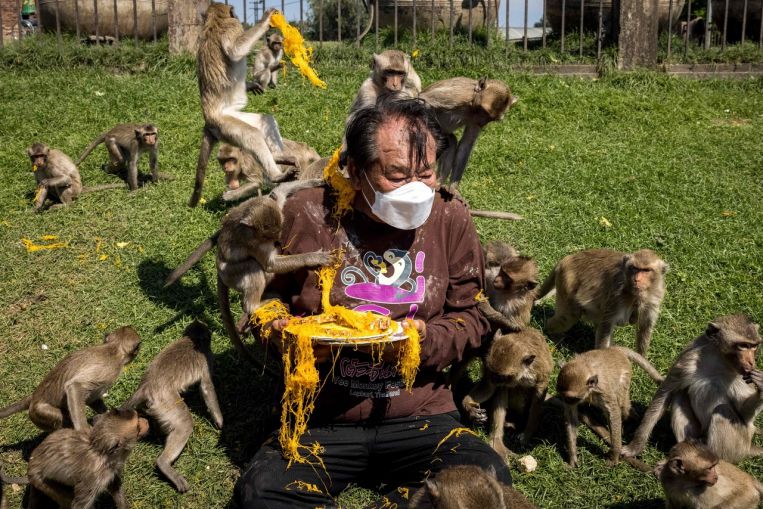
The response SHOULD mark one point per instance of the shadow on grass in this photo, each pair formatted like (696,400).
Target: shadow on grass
(580,338)
(654,503)
(189,300)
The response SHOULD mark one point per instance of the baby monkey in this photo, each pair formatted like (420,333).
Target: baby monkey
(185,362)
(126,143)
(601,378)
(81,378)
(468,487)
(692,476)
(510,281)
(56,175)
(73,467)
(517,368)
(609,288)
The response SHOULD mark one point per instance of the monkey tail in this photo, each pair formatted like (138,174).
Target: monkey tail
(644,364)
(547,285)
(102,187)
(90,148)
(496,214)
(371,13)
(7,479)
(759,487)
(135,400)
(197,254)
(15,407)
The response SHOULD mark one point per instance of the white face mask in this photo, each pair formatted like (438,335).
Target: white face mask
(406,207)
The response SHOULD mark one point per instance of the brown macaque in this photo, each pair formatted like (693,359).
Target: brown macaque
(247,256)
(609,288)
(266,65)
(56,175)
(599,378)
(517,368)
(182,364)
(73,467)
(81,378)
(391,72)
(315,169)
(510,284)
(244,176)
(125,144)
(693,477)
(468,487)
(471,104)
(694,30)
(221,68)
(714,391)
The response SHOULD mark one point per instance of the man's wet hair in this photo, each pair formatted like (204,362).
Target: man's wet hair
(361,132)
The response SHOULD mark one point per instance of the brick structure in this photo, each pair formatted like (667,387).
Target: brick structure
(9,12)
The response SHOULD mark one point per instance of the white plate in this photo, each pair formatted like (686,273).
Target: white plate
(394,333)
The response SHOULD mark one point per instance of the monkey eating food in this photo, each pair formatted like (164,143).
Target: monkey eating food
(185,362)
(73,467)
(56,175)
(81,378)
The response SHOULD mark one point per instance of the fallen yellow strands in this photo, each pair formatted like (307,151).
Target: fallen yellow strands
(294,47)
(341,187)
(455,431)
(31,247)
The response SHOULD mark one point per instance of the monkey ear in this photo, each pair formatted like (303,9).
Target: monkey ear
(676,465)
(491,472)
(627,259)
(29,151)
(138,133)
(481,84)
(593,381)
(712,329)
(247,220)
(531,285)
(375,62)
(665,268)
(432,489)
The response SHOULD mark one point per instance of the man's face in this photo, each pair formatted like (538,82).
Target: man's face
(394,167)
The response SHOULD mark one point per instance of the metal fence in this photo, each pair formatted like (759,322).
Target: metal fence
(567,24)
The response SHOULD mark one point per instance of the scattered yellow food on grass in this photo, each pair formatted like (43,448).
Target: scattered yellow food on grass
(294,47)
(122,245)
(728,213)
(605,222)
(32,247)
(415,53)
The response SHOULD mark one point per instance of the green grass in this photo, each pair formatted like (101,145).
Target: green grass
(672,165)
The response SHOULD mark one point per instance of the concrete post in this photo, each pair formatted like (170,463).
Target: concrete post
(638,33)
(185,24)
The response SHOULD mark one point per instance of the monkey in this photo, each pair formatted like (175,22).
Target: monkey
(81,378)
(600,378)
(73,467)
(266,65)
(609,288)
(56,175)
(510,283)
(468,487)
(391,72)
(247,256)
(517,369)
(693,30)
(185,362)
(714,392)
(221,68)
(315,169)
(471,104)
(241,166)
(693,477)
(126,143)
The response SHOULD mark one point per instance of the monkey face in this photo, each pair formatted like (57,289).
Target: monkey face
(39,160)
(393,79)
(510,364)
(573,386)
(147,136)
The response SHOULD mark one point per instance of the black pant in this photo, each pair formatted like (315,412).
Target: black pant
(394,456)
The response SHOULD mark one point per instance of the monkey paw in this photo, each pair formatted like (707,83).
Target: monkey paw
(477,414)
(754,377)
(630,452)
(181,484)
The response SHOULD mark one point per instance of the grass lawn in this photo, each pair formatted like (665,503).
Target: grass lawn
(625,162)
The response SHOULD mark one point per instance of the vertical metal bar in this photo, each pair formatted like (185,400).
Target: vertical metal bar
(564,15)
(725,25)
(396,23)
(708,19)
(470,20)
(37,14)
(283,7)
(135,20)
(339,19)
(357,23)
(760,35)
(153,17)
(58,23)
(600,32)
(544,24)
(487,23)
(18,17)
(76,17)
(524,34)
(507,26)
(377,12)
(582,12)
(414,22)
(451,24)
(116,20)
(744,20)
(301,14)
(244,9)
(670,24)
(2,29)
(320,23)
(432,16)
(97,28)
(686,35)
